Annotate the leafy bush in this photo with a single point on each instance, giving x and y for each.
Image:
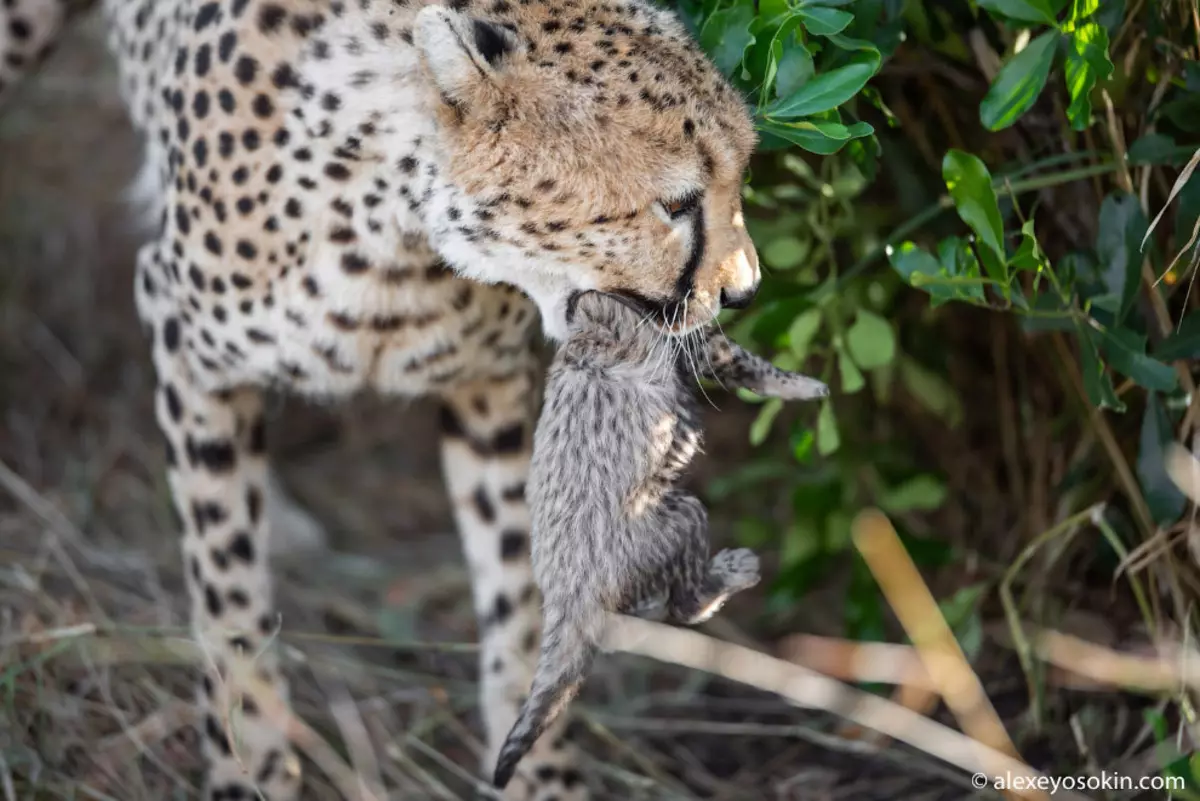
(879, 117)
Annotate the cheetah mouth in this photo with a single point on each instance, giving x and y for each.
(673, 316)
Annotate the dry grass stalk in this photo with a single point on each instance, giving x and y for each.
(940, 653)
(809, 689)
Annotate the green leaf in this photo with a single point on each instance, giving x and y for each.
(1087, 62)
(920, 269)
(1096, 381)
(871, 341)
(1183, 343)
(1029, 255)
(1080, 11)
(1118, 247)
(1165, 500)
(765, 57)
(822, 21)
(795, 69)
(762, 424)
(748, 476)
(927, 551)
(1019, 83)
(1126, 352)
(931, 391)
(802, 330)
(961, 612)
(794, 581)
(754, 533)
(958, 260)
(726, 35)
(922, 492)
(863, 607)
(1154, 148)
(802, 442)
(828, 440)
(970, 186)
(785, 252)
(852, 377)
(801, 542)
(1023, 10)
(822, 138)
(827, 90)
(838, 531)
(962, 604)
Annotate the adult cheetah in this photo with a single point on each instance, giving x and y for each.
(387, 195)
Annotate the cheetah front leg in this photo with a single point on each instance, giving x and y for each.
(487, 431)
(218, 477)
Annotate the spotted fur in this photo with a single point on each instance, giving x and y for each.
(612, 532)
(387, 195)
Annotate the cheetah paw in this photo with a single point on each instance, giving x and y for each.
(738, 568)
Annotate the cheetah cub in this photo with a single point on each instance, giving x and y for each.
(611, 531)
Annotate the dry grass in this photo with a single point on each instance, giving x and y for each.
(94, 678)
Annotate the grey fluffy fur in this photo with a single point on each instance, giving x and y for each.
(611, 531)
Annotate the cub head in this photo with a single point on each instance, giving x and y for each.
(594, 147)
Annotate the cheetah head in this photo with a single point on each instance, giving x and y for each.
(602, 151)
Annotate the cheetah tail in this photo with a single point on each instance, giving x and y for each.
(566, 656)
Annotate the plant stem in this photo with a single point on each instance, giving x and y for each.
(1020, 642)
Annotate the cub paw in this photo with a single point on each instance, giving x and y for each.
(738, 568)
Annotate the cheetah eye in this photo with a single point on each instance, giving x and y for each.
(678, 207)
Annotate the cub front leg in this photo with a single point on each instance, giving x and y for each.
(218, 477)
(487, 435)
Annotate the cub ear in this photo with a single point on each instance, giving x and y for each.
(460, 51)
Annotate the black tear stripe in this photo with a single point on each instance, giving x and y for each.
(670, 309)
(687, 278)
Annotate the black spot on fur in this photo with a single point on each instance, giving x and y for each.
(513, 544)
(268, 767)
(509, 440)
(171, 334)
(174, 405)
(242, 547)
(254, 502)
(207, 15)
(270, 18)
(502, 609)
(217, 456)
(212, 727)
(212, 601)
(484, 505)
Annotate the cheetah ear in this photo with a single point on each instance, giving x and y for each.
(460, 51)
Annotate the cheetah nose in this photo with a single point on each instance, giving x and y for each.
(738, 300)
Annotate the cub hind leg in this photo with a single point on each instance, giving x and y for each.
(702, 586)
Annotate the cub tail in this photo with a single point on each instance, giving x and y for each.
(566, 656)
